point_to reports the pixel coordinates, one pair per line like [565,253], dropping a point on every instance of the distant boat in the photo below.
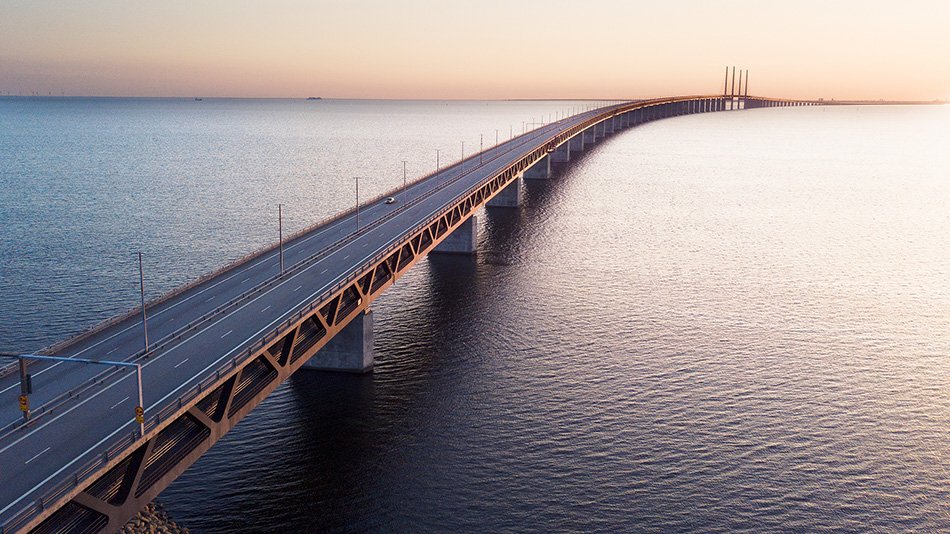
[314,98]
[198,99]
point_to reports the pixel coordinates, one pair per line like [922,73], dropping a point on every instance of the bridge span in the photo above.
[220,345]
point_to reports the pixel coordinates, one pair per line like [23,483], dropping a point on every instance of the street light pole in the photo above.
[496,136]
[405,184]
[280,236]
[142,293]
[481,147]
[437,159]
[357,178]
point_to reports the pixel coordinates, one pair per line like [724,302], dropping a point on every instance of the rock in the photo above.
[153,519]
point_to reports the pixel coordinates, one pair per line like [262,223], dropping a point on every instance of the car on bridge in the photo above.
[390,200]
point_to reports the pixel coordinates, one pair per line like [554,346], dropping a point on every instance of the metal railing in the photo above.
[171,410]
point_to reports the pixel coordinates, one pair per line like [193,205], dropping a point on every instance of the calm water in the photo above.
[735,321]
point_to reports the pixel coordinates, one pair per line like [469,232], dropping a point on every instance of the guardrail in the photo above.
[168,339]
[128,439]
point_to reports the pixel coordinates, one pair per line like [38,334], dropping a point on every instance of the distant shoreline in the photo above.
[324,99]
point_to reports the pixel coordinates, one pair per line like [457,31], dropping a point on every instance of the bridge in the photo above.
[113,419]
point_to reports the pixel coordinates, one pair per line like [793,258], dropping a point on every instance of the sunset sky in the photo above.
[481,49]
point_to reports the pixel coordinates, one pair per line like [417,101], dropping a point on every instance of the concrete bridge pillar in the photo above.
[351,350]
[576,143]
[599,131]
[509,197]
[608,126]
[462,240]
[540,170]
[562,154]
[589,136]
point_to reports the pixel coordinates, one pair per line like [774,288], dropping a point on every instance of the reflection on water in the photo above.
[710,323]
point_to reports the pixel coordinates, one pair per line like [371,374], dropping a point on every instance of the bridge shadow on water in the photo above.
[354,430]
[343,451]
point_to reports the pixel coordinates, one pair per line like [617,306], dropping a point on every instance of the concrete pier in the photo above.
[562,154]
[461,241]
[351,350]
[509,197]
[540,170]
[588,136]
[576,143]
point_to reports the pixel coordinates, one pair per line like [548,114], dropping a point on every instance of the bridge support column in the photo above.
[576,143]
[589,136]
[509,197]
[351,350]
[608,126]
[462,240]
[562,154]
[540,170]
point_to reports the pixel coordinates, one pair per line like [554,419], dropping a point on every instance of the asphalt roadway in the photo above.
[36,457]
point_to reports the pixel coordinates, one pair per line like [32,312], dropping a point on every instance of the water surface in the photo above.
[733,321]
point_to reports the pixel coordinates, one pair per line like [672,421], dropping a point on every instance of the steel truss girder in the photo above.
[134,477]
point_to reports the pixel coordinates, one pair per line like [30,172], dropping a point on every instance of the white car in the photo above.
[390,200]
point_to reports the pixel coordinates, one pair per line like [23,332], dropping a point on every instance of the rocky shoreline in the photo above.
[153,519]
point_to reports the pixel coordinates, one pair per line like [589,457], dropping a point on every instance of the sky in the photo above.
[484,49]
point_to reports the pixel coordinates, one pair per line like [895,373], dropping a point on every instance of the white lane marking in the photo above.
[209,299]
[226,334]
[265,309]
[179,364]
[111,351]
[240,269]
[245,280]
[172,349]
[65,467]
[176,390]
[158,357]
[297,289]
[345,257]
[37,455]
[155,359]
[324,271]
[118,403]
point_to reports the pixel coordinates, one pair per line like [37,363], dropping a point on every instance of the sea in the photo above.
[734,321]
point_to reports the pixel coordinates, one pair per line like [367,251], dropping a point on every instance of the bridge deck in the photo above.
[200,329]
[32,458]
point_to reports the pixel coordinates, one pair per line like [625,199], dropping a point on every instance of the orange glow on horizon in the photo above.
[474,50]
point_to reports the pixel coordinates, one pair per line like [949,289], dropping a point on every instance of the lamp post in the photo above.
[496,136]
[280,236]
[357,178]
[437,159]
[142,294]
[405,184]
[481,147]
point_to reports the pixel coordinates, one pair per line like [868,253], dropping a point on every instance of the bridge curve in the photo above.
[225,342]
